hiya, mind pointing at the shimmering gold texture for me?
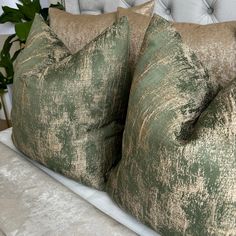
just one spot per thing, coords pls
(215, 46)
(178, 170)
(68, 110)
(76, 31)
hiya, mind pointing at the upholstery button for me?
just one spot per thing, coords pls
(210, 11)
(168, 11)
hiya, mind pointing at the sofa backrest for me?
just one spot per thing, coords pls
(192, 11)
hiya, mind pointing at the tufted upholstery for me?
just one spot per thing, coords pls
(193, 11)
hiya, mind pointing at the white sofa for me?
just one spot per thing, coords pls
(192, 11)
(33, 201)
(37, 201)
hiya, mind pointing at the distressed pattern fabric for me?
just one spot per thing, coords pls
(178, 181)
(68, 110)
(76, 31)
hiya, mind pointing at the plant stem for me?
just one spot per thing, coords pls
(5, 112)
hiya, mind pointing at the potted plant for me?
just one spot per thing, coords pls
(22, 18)
(6, 76)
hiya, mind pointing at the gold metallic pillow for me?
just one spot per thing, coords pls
(215, 46)
(76, 31)
(138, 25)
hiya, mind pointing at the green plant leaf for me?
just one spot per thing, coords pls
(37, 5)
(15, 55)
(1, 77)
(22, 30)
(25, 2)
(5, 60)
(8, 43)
(27, 11)
(7, 64)
(3, 80)
(5, 57)
(34, 4)
(10, 15)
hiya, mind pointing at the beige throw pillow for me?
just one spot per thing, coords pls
(76, 31)
(215, 46)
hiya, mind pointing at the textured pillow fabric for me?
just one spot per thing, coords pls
(215, 46)
(176, 181)
(76, 31)
(68, 110)
(138, 25)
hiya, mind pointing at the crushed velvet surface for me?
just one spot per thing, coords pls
(32, 203)
(178, 187)
(76, 31)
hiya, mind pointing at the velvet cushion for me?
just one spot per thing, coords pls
(177, 172)
(76, 31)
(68, 110)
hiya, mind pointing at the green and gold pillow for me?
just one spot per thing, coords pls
(68, 110)
(177, 172)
